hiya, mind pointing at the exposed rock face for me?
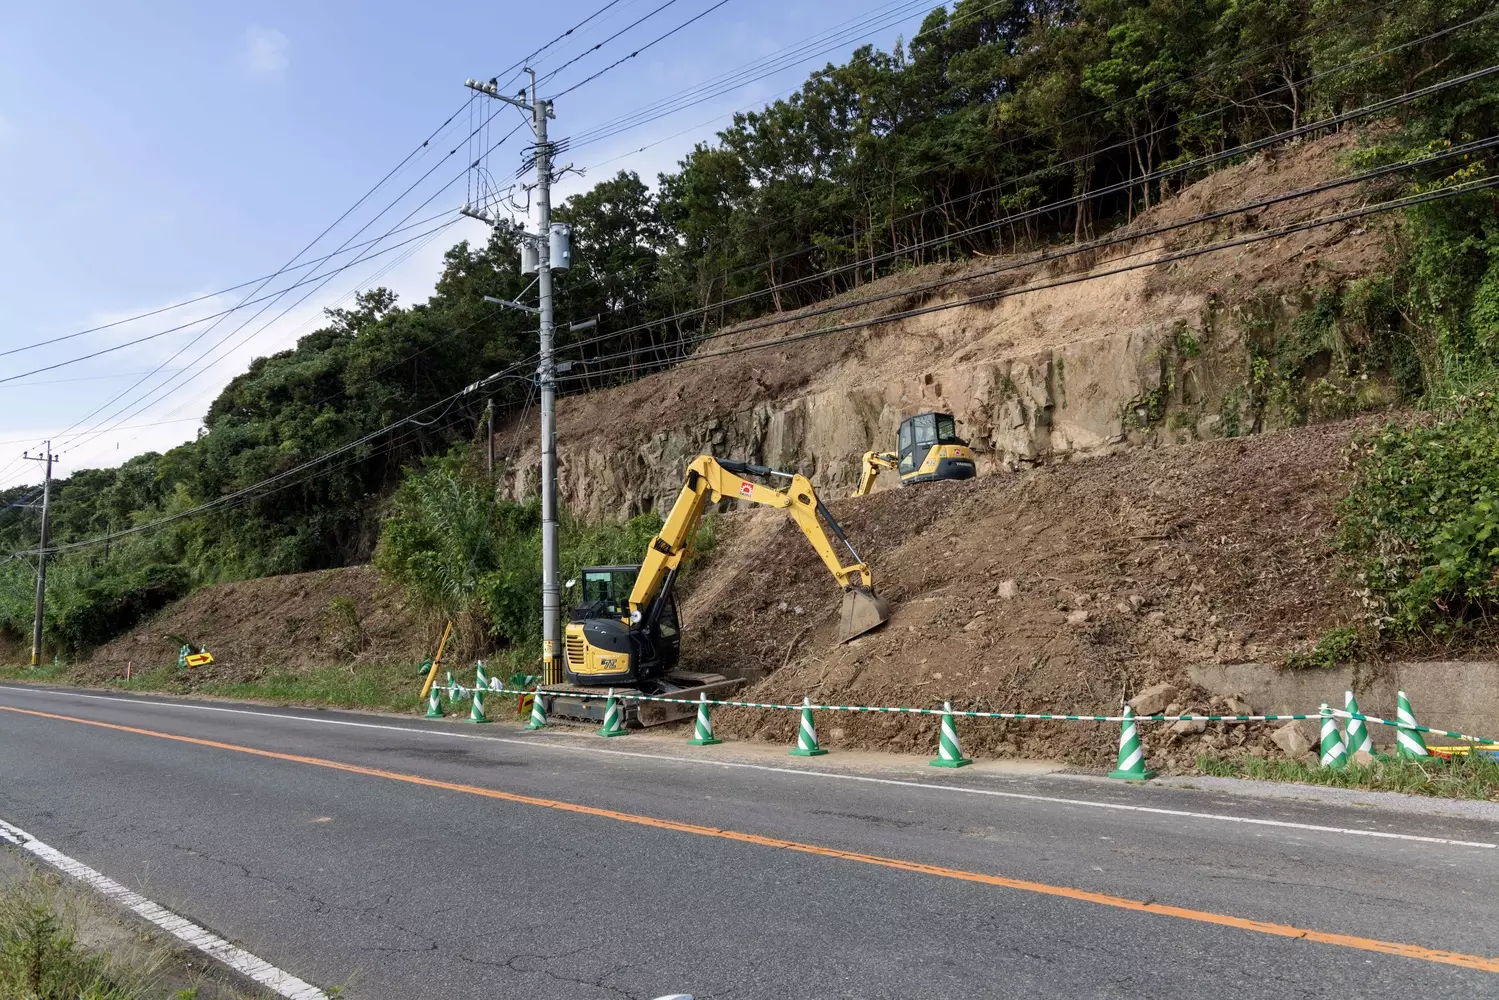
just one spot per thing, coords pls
(1078, 399)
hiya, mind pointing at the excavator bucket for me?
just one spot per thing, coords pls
(863, 610)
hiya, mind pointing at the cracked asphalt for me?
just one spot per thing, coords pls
(392, 889)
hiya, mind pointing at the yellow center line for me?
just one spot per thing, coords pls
(1042, 888)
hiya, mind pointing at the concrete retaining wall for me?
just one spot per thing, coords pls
(1448, 694)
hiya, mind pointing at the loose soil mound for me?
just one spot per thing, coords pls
(279, 622)
(1065, 589)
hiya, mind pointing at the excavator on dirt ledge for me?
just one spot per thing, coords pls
(930, 450)
(625, 631)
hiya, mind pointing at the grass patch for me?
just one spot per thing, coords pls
(383, 687)
(61, 942)
(40, 955)
(1473, 777)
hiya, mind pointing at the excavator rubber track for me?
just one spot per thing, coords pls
(687, 685)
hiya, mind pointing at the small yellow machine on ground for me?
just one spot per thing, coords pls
(625, 631)
(929, 450)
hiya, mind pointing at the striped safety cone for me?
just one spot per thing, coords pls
(1131, 763)
(702, 734)
(1408, 742)
(538, 711)
(481, 676)
(1357, 733)
(806, 735)
(453, 692)
(948, 754)
(434, 703)
(476, 708)
(614, 723)
(1334, 754)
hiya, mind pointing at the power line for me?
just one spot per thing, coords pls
(1054, 167)
(210, 295)
(311, 291)
(1072, 200)
(203, 319)
(587, 52)
(647, 45)
(1468, 187)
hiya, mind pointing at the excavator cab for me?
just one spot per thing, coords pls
(605, 646)
(930, 450)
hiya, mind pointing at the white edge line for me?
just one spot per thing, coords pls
(215, 947)
(543, 742)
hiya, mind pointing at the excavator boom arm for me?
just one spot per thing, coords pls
(873, 462)
(709, 480)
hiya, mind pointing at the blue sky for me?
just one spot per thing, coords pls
(155, 152)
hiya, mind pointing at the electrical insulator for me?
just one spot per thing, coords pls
(530, 259)
(561, 246)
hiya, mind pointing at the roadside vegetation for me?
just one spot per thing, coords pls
(53, 947)
(1468, 777)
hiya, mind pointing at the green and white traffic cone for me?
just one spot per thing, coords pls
(948, 754)
(1334, 754)
(481, 678)
(538, 711)
(806, 734)
(434, 703)
(614, 722)
(453, 692)
(1131, 763)
(1357, 733)
(476, 708)
(1408, 742)
(702, 735)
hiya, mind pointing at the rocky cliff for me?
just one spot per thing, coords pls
(1052, 367)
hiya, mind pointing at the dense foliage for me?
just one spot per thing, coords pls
(471, 559)
(997, 125)
(1423, 519)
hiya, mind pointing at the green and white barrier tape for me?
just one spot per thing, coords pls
(1420, 729)
(975, 714)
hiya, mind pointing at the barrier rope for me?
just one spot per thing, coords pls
(635, 696)
(1340, 713)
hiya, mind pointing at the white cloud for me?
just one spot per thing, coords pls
(263, 52)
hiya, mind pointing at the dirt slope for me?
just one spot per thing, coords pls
(1122, 571)
(298, 620)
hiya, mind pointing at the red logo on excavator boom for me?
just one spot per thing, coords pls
(747, 489)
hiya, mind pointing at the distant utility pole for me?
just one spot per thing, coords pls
(544, 245)
(41, 554)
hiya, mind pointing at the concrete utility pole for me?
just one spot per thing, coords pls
(551, 592)
(41, 554)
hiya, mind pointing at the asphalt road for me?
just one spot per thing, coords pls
(459, 861)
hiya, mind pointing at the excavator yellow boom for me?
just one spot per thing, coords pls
(710, 480)
(874, 461)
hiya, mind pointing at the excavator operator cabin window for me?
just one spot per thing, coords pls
(926, 429)
(947, 429)
(610, 588)
(907, 447)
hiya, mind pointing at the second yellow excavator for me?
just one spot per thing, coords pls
(930, 450)
(625, 631)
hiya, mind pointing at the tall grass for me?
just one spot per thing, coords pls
(42, 959)
(1471, 777)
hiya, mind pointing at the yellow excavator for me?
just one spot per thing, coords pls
(930, 450)
(625, 631)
